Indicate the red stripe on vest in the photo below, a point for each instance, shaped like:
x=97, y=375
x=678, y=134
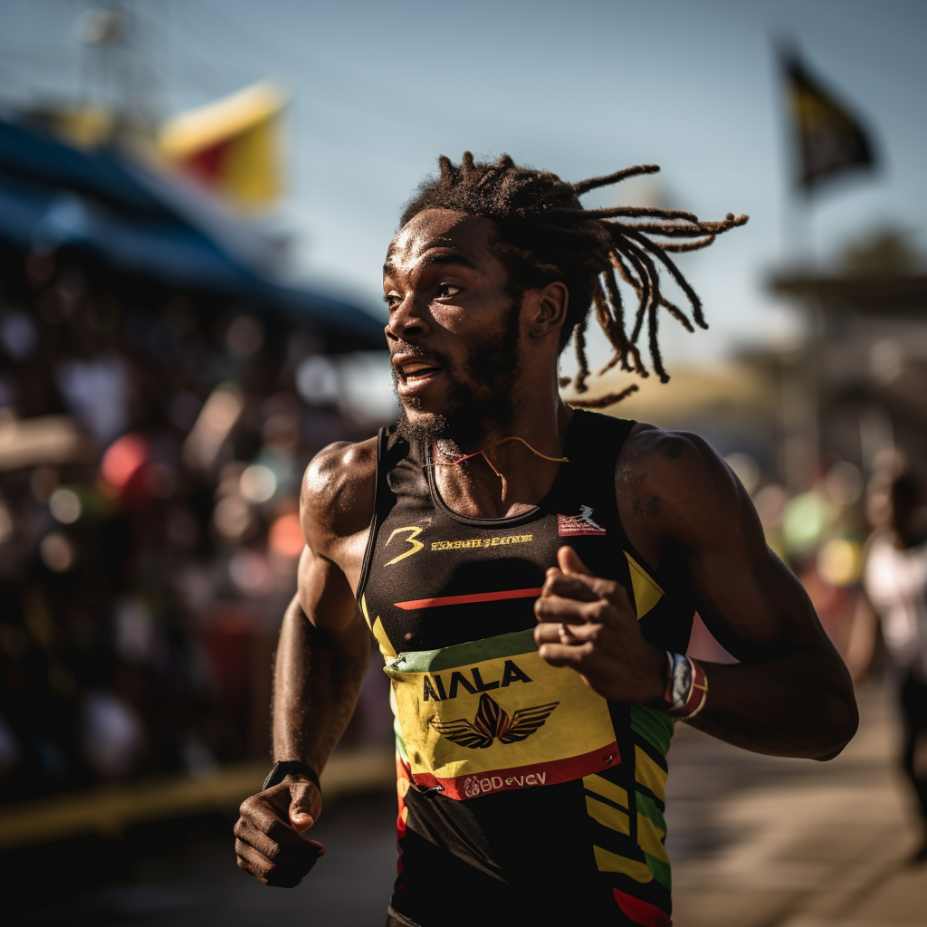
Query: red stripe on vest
x=468, y=599
x=642, y=912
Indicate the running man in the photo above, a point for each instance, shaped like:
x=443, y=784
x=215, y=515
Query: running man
x=530, y=570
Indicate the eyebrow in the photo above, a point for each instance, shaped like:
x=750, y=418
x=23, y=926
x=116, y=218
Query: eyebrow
x=432, y=259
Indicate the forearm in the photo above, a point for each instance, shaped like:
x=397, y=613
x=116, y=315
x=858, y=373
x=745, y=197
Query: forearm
x=317, y=682
x=799, y=705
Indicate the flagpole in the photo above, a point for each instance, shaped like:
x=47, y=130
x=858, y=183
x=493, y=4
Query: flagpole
x=828, y=139
x=798, y=232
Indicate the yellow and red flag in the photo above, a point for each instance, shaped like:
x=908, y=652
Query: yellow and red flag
x=233, y=145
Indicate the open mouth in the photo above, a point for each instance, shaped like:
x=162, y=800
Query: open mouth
x=415, y=369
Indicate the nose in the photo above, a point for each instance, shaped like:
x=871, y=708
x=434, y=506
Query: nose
x=407, y=321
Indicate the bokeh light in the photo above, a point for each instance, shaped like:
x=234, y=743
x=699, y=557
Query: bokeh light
x=57, y=552
x=840, y=562
x=258, y=483
x=65, y=505
x=844, y=483
x=124, y=460
x=286, y=536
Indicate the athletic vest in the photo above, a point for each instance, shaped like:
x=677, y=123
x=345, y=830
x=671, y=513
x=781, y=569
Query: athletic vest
x=493, y=742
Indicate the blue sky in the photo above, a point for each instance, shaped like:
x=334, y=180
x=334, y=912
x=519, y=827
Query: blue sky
x=581, y=88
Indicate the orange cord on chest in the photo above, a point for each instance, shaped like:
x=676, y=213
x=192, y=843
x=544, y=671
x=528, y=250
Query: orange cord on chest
x=452, y=463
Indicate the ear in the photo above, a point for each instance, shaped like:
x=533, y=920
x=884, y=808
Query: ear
x=548, y=309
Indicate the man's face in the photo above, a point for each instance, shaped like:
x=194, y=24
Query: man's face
x=454, y=328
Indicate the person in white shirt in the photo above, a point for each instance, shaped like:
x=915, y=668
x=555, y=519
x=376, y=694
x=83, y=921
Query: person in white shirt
x=896, y=583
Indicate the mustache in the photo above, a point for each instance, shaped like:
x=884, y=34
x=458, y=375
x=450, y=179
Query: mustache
x=415, y=351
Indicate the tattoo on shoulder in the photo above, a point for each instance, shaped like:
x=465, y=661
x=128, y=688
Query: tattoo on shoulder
x=642, y=505
x=672, y=447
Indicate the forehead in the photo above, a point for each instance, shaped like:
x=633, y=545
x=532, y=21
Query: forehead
x=443, y=232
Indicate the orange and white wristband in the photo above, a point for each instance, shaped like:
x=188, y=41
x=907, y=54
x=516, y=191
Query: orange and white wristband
x=686, y=687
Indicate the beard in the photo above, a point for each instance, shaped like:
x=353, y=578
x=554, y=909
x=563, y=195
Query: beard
x=480, y=391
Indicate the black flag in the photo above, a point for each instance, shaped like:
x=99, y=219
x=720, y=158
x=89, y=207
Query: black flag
x=830, y=139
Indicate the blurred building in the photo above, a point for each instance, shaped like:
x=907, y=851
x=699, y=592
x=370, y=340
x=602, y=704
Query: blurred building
x=859, y=384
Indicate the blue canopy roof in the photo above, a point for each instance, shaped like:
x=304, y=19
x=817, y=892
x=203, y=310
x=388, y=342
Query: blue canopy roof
x=53, y=195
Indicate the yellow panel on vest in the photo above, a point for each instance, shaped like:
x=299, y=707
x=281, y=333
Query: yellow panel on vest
x=608, y=816
x=364, y=611
x=386, y=648
x=649, y=774
x=437, y=718
x=646, y=591
x=611, y=862
x=649, y=836
x=601, y=786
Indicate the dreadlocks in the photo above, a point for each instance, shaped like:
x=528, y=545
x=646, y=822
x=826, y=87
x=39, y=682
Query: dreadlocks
x=545, y=235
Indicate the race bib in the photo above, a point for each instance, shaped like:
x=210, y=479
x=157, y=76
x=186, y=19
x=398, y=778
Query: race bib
x=491, y=715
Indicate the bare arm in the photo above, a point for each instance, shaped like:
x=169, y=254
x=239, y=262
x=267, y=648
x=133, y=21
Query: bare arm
x=791, y=695
x=321, y=661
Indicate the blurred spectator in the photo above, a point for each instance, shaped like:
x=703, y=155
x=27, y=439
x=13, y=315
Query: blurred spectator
x=151, y=448
x=896, y=583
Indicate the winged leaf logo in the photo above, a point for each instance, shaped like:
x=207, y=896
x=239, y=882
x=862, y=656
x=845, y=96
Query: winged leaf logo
x=491, y=722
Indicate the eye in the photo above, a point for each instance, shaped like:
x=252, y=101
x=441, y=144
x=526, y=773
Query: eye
x=392, y=299
x=447, y=290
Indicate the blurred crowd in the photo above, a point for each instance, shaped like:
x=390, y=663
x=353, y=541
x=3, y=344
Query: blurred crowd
x=151, y=449
x=823, y=534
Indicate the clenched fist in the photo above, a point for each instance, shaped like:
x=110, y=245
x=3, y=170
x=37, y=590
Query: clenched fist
x=587, y=623
x=268, y=833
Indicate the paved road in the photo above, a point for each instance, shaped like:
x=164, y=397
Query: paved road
x=199, y=885
x=755, y=842
x=764, y=842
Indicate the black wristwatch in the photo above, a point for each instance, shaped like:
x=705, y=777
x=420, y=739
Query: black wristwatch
x=283, y=768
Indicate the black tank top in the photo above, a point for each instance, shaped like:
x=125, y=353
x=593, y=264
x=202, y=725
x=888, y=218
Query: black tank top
x=525, y=794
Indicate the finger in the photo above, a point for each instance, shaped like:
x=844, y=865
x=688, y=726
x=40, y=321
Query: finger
x=585, y=589
x=572, y=586
x=569, y=561
x=251, y=860
x=548, y=633
x=290, y=844
x=279, y=871
x=574, y=655
x=559, y=633
x=570, y=611
x=305, y=805
x=263, y=818
x=277, y=796
x=551, y=633
x=299, y=854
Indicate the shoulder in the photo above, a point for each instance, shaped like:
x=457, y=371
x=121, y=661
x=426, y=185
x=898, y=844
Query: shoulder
x=338, y=493
x=679, y=461
x=678, y=482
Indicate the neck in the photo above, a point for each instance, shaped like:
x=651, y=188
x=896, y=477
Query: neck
x=511, y=470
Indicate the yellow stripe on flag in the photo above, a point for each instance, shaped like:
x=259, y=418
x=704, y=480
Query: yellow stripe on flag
x=233, y=144
x=205, y=126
